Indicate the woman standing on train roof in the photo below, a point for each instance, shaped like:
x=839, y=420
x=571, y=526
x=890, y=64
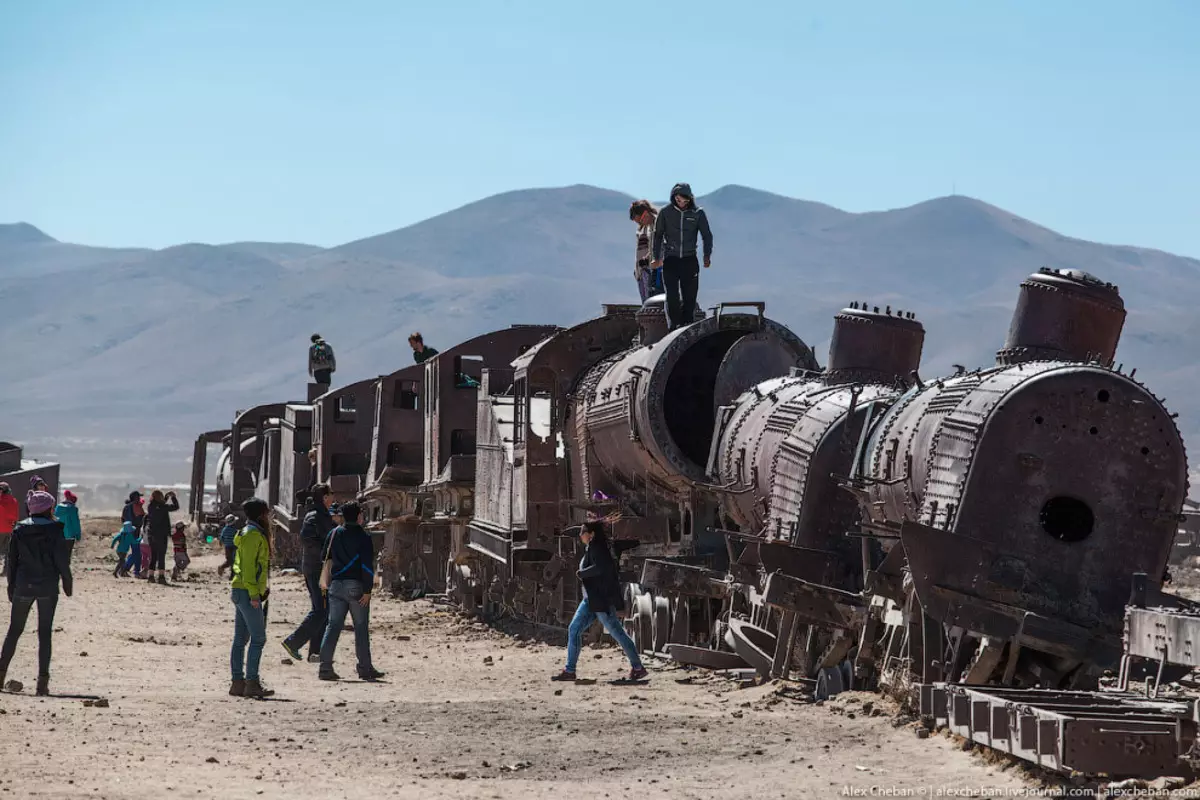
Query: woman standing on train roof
x=598, y=574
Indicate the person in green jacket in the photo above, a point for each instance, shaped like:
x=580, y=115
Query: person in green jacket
x=67, y=513
x=248, y=591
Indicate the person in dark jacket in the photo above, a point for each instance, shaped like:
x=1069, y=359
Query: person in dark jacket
x=421, y=353
x=601, y=582
x=39, y=560
x=313, y=533
x=321, y=361
x=158, y=520
x=675, y=233
x=353, y=576
x=135, y=514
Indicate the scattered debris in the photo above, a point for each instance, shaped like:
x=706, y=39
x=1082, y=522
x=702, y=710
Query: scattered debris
x=517, y=767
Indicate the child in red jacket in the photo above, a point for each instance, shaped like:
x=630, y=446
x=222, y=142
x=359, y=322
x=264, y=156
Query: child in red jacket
x=179, y=541
x=10, y=512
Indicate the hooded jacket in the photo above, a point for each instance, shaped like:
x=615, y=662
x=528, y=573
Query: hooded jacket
x=38, y=559
x=125, y=538
x=10, y=512
x=251, y=562
x=675, y=231
x=353, y=555
x=68, y=515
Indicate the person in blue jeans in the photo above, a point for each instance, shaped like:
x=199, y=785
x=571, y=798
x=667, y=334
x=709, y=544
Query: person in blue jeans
x=352, y=576
x=601, y=597
x=248, y=591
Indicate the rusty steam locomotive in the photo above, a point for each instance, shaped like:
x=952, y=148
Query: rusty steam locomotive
x=848, y=525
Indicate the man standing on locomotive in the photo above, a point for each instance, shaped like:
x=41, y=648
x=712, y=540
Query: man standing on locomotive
x=675, y=233
x=321, y=361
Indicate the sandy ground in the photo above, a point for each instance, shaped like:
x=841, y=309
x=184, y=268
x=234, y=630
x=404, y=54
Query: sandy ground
x=444, y=724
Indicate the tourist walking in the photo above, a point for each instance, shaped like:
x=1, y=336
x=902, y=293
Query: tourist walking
x=158, y=524
x=10, y=512
x=314, y=532
x=248, y=591
x=38, y=561
x=67, y=512
x=649, y=279
x=675, y=233
x=601, y=598
x=135, y=514
x=228, y=531
x=121, y=542
x=352, y=576
x=321, y=361
x=421, y=353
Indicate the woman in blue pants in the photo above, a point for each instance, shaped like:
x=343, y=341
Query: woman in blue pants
x=601, y=597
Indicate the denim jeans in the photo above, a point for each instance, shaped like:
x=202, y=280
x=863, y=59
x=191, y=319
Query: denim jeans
x=312, y=628
x=343, y=597
x=16, y=626
x=134, y=561
x=249, y=626
x=584, y=617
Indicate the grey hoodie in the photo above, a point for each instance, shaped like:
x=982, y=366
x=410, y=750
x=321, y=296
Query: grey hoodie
x=675, y=232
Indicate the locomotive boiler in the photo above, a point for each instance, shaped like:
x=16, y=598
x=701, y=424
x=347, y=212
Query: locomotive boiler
x=1024, y=497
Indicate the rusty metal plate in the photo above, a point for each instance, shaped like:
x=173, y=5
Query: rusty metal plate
x=685, y=579
x=704, y=657
x=812, y=603
x=750, y=361
x=754, y=644
x=1163, y=634
x=805, y=563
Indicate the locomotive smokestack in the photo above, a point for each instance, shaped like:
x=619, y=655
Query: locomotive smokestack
x=1067, y=315
x=874, y=348
x=652, y=319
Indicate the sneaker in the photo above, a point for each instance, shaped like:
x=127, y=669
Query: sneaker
x=255, y=689
x=638, y=674
x=564, y=676
x=237, y=688
x=314, y=658
x=370, y=675
x=292, y=652
x=328, y=676
x=43, y=685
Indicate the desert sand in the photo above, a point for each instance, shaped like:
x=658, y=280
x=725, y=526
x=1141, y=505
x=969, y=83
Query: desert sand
x=465, y=711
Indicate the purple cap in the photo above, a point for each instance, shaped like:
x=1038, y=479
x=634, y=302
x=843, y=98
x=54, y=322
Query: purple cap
x=39, y=502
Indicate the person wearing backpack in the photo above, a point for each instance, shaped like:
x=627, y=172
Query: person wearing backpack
x=321, y=361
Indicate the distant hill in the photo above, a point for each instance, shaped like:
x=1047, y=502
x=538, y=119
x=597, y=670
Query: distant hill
x=113, y=341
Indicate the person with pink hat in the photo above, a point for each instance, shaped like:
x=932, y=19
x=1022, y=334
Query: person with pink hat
x=38, y=562
x=67, y=513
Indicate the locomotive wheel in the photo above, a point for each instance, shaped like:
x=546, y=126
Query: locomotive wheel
x=661, y=626
x=681, y=624
x=645, y=623
x=829, y=683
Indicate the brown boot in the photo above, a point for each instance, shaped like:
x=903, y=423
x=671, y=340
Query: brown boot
x=43, y=685
x=237, y=688
x=255, y=689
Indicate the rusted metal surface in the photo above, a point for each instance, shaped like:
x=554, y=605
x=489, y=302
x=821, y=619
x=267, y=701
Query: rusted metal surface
x=812, y=603
x=649, y=415
x=754, y=358
x=1171, y=635
x=705, y=657
x=755, y=645
x=1064, y=315
x=1093, y=733
x=873, y=347
x=683, y=579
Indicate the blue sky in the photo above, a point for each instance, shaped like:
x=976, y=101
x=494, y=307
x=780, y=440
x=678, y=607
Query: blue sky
x=137, y=123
